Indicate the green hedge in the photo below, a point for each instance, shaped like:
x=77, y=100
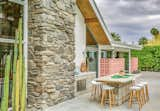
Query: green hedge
x=149, y=58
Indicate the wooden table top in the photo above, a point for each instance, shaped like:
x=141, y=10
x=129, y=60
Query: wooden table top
x=109, y=79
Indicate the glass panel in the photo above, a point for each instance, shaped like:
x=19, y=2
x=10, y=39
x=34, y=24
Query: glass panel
x=126, y=56
x=5, y=49
x=109, y=54
x=106, y=54
x=92, y=61
x=9, y=16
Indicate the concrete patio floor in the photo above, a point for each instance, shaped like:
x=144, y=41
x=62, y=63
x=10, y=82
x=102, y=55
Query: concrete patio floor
x=82, y=103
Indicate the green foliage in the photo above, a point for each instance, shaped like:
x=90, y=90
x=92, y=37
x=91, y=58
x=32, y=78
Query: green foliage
x=143, y=41
x=154, y=31
x=115, y=36
x=5, y=98
x=149, y=58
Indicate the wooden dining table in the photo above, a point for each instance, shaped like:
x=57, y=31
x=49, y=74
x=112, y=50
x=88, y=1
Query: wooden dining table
x=121, y=85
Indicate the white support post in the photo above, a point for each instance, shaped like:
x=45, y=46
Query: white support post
x=113, y=54
x=99, y=60
x=129, y=53
x=25, y=35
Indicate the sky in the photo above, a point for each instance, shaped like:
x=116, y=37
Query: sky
x=131, y=19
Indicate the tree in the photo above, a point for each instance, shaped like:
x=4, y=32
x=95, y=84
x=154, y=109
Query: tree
x=115, y=36
x=143, y=41
x=154, y=31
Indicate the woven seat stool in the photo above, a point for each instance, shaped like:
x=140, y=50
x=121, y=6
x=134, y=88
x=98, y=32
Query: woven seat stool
x=146, y=90
x=135, y=93
x=108, y=91
x=96, y=90
x=143, y=94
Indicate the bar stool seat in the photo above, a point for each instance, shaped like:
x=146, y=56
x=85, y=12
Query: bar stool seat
x=145, y=83
x=106, y=87
x=94, y=82
x=135, y=88
x=140, y=85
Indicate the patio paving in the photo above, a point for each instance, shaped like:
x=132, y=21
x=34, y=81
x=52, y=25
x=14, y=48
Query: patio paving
x=82, y=103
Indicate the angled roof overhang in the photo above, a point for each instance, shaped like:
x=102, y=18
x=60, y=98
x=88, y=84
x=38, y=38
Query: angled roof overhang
x=97, y=26
x=113, y=43
x=92, y=22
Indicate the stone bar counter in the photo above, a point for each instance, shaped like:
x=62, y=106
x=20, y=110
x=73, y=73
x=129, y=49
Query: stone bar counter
x=121, y=86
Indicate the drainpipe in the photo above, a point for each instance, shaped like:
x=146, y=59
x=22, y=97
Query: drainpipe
x=25, y=35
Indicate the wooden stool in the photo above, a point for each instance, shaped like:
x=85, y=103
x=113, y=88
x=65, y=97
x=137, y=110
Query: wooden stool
x=143, y=95
x=96, y=90
x=146, y=90
x=107, y=92
x=135, y=92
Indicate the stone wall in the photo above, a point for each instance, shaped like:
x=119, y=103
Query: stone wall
x=51, y=53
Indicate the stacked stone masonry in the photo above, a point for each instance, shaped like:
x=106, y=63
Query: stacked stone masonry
x=51, y=53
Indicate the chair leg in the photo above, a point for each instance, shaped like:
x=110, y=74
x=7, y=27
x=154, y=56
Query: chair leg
x=130, y=99
x=138, y=99
x=100, y=92
x=112, y=97
x=147, y=94
x=141, y=97
x=95, y=97
x=92, y=92
x=103, y=97
x=110, y=100
x=144, y=95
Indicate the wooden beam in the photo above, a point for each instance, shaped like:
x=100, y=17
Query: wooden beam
x=20, y=2
x=8, y=41
x=3, y=40
x=99, y=34
x=86, y=8
x=87, y=20
x=90, y=39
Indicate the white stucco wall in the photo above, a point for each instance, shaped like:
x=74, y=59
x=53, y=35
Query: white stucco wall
x=80, y=38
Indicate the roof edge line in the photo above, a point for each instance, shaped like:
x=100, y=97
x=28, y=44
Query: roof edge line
x=133, y=47
x=100, y=18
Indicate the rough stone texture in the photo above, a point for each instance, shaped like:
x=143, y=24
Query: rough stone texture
x=51, y=53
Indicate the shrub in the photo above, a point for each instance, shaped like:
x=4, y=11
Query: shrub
x=149, y=58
